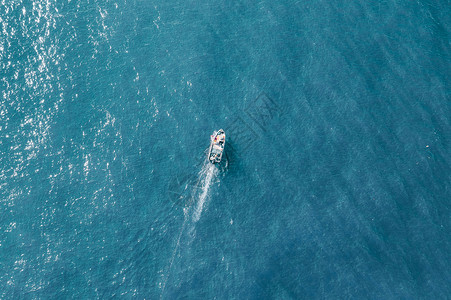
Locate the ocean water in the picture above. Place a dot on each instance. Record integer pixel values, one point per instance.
(336, 181)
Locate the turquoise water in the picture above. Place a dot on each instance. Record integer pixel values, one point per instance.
(336, 182)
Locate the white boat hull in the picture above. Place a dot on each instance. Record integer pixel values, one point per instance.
(217, 144)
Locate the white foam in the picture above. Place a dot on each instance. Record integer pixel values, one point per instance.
(206, 176)
(191, 215)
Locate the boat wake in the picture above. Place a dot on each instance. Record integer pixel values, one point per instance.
(199, 195)
(206, 176)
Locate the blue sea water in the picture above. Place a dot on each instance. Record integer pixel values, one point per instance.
(336, 182)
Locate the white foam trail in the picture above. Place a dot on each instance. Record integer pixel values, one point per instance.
(207, 174)
(205, 180)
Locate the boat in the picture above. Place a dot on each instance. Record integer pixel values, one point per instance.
(216, 146)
